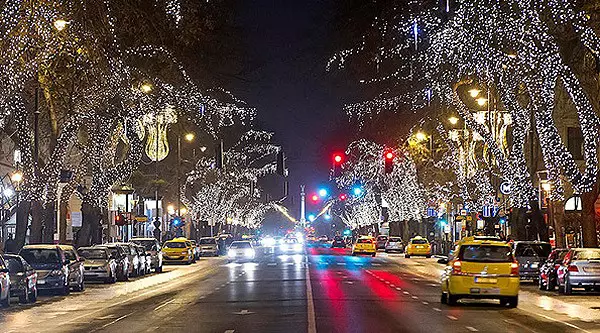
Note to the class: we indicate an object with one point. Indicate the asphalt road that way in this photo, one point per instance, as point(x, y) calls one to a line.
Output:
point(272, 294)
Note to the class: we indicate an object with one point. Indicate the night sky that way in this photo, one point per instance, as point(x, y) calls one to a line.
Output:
point(286, 45)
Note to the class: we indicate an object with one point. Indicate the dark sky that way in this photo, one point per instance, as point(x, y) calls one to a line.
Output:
point(286, 45)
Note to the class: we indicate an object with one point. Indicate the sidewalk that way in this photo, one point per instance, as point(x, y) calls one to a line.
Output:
point(585, 307)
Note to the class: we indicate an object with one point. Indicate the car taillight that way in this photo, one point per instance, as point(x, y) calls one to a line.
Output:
point(456, 267)
point(573, 268)
point(514, 268)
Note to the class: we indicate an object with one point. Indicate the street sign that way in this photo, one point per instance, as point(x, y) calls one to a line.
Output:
point(141, 218)
point(431, 212)
point(447, 229)
point(486, 211)
point(469, 218)
point(505, 188)
point(463, 212)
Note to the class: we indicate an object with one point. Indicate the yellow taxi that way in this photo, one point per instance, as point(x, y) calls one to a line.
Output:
point(418, 246)
point(364, 245)
point(178, 250)
point(480, 269)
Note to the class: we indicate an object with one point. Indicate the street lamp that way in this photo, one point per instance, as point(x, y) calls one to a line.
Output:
point(60, 24)
point(420, 136)
point(189, 137)
point(146, 88)
point(481, 101)
point(17, 177)
point(453, 120)
point(474, 92)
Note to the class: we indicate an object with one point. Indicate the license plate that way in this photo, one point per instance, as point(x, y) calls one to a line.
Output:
point(419, 247)
point(41, 281)
point(485, 290)
point(485, 280)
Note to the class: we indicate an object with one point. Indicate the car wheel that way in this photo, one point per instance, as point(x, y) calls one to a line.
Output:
point(353, 254)
point(65, 290)
point(158, 269)
point(512, 302)
point(80, 286)
point(429, 256)
point(541, 284)
point(33, 295)
point(406, 255)
point(568, 289)
point(6, 302)
point(452, 299)
point(24, 299)
point(126, 276)
point(373, 254)
point(387, 251)
point(444, 298)
point(551, 284)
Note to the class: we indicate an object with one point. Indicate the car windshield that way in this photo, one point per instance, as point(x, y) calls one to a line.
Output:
point(364, 241)
point(240, 245)
point(291, 241)
point(485, 253)
point(40, 256)
point(148, 244)
point(395, 240)
point(587, 255)
point(175, 245)
point(92, 253)
point(114, 251)
point(205, 241)
point(533, 250)
point(382, 238)
point(14, 265)
point(418, 241)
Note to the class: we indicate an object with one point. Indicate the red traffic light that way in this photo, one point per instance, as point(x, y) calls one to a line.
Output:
point(343, 196)
point(120, 220)
point(314, 198)
point(389, 155)
point(338, 158)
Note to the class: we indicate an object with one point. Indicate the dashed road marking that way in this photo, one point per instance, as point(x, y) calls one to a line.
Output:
point(341, 263)
point(437, 309)
point(229, 331)
point(398, 288)
point(451, 317)
point(406, 292)
point(163, 305)
point(375, 264)
point(472, 329)
point(415, 297)
point(425, 303)
point(272, 264)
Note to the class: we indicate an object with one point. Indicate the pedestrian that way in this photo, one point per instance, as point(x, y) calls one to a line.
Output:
point(11, 245)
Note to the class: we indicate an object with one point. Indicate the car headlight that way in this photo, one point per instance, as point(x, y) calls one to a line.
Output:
point(231, 253)
point(297, 247)
point(184, 252)
point(249, 253)
point(268, 242)
point(56, 272)
point(283, 247)
point(535, 265)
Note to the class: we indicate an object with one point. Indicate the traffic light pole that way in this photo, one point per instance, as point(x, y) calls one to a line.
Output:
point(302, 206)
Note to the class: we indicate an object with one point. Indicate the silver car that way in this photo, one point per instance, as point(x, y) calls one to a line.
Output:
point(152, 247)
point(394, 244)
point(208, 246)
point(580, 269)
point(241, 251)
point(99, 265)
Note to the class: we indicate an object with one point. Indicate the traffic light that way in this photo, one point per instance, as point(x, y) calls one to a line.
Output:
point(280, 163)
point(357, 190)
point(177, 221)
point(389, 161)
point(120, 220)
point(219, 155)
point(338, 159)
point(343, 197)
point(314, 198)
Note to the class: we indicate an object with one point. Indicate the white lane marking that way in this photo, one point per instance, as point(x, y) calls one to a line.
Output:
point(415, 297)
point(406, 292)
point(472, 329)
point(563, 322)
point(375, 264)
point(387, 282)
point(163, 305)
point(393, 285)
point(398, 288)
point(341, 263)
point(116, 320)
point(451, 317)
point(512, 322)
point(425, 303)
point(272, 264)
point(229, 331)
point(310, 305)
point(437, 309)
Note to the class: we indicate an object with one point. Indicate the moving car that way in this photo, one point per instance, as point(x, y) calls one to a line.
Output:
point(364, 245)
point(241, 251)
point(178, 250)
point(547, 279)
point(338, 241)
point(381, 240)
point(481, 269)
point(580, 269)
point(59, 267)
point(152, 247)
point(531, 255)
point(119, 254)
point(99, 264)
point(208, 246)
point(418, 246)
point(394, 244)
point(290, 245)
point(4, 284)
point(23, 278)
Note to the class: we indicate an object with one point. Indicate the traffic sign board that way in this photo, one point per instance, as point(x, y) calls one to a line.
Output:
point(505, 188)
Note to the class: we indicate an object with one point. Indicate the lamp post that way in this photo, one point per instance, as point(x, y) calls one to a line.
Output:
point(17, 178)
point(189, 137)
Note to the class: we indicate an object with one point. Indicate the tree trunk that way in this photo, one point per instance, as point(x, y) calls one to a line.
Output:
point(518, 223)
point(539, 227)
point(89, 225)
point(588, 217)
point(558, 215)
point(35, 233)
point(49, 223)
point(22, 223)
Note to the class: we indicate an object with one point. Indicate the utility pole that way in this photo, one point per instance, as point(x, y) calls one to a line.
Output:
point(302, 206)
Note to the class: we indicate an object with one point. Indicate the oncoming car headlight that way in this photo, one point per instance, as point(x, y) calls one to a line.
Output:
point(249, 253)
point(231, 253)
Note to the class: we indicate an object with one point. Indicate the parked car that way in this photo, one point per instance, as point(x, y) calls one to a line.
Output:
point(208, 246)
point(394, 244)
point(241, 251)
point(547, 278)
point(531, 255)
point(23, 278)
point(132, 256)
point(178, 250)
point(59, 267)
point(119, 254)
point(196, 249)
point(481, 269)
point(152, 247)
point(145, 264)
point(380, 242)
point(4, 284)
point(98, 264)
point(338, 241)
point(580, 269)
point(364, 245)
point(418, 246)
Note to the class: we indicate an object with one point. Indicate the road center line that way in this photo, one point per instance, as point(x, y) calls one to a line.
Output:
point(116, 320)
point(310, 305)
point(163, 305)
point(472, 329)
point(451, 317)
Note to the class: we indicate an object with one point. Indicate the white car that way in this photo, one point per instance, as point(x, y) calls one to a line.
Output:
point(394, 244)
point(290, 245)
point(241, 251)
